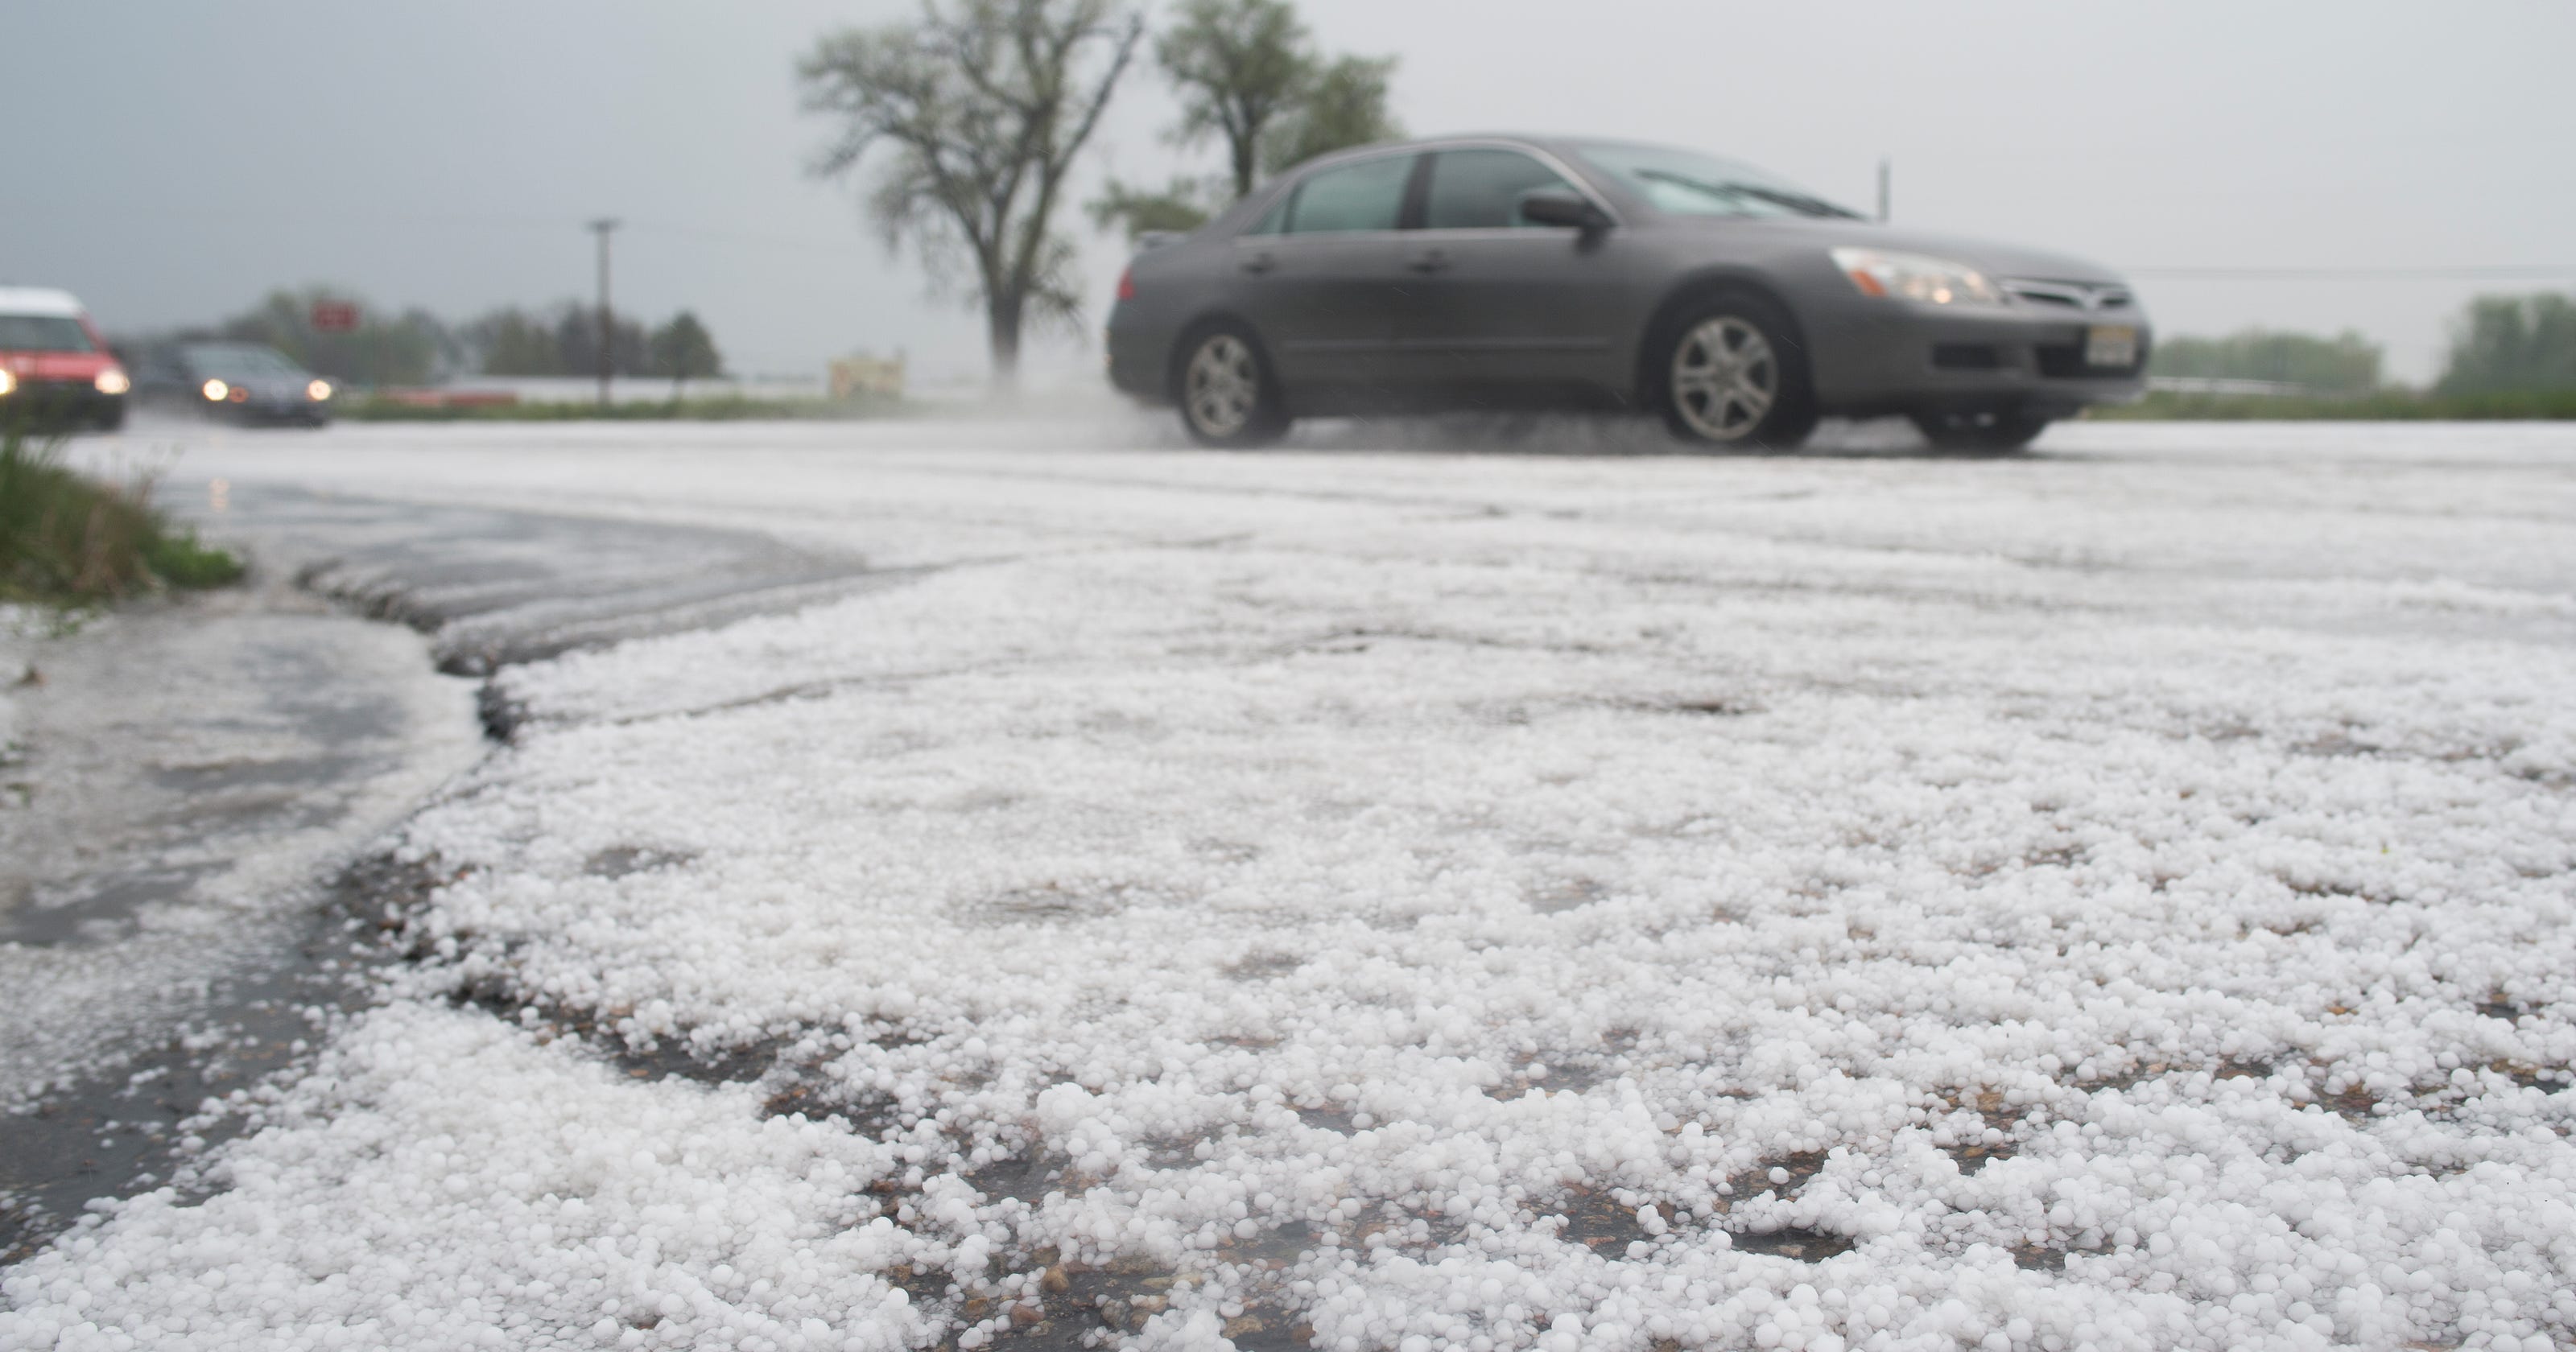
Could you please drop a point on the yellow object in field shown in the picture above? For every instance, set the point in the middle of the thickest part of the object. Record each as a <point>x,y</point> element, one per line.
<point>863,374</point>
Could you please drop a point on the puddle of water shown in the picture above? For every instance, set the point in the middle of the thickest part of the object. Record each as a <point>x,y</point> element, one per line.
<point>129,1130</point>
<point>298,772</point>
<point>1806,1246</point>
<point>196,766</point>
<point>624,861</point>
<point>105,912</point>
<point>500,587</point>
<point>159,925</point>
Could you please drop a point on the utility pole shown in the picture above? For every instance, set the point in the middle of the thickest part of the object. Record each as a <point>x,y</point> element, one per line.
<point>1882,190</point>
<point>607,329</point>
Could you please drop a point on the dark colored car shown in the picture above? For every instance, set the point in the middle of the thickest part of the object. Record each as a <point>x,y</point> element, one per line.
<point>1507,272</point>
<point>55,371</point>
<point>244,382</point>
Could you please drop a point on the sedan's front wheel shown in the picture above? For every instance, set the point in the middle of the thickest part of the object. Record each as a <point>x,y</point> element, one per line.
<point>1227,395</point>
<point>1732,375</point>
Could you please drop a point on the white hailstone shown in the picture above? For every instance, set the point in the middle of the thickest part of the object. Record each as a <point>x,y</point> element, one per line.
<point>1884,832</point>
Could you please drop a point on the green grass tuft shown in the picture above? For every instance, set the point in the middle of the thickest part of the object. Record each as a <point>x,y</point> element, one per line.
<point>175,557</point>
<point>69,539</point>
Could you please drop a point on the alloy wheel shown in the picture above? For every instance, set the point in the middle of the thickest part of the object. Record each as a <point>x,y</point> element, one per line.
<point>1725,378</point>
<point>1222,388</point>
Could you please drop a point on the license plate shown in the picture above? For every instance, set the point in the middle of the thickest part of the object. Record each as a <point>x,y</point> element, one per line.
<point>2111,345</point>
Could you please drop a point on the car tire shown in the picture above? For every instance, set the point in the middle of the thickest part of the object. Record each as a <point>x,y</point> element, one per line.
<point>1729,373</point>
<point>1979,431</point>
<point>1228,397</point>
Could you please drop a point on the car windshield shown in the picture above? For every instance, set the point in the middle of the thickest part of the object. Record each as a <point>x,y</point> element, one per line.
<point>228,361</point>
<point>43,333</point>
<point>1690,184</point>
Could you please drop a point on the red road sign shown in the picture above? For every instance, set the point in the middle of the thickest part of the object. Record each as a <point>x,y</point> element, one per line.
<point>335,316</point>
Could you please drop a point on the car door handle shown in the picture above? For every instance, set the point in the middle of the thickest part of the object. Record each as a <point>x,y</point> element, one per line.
<point>1260,262</point>
<point>1428,261</point>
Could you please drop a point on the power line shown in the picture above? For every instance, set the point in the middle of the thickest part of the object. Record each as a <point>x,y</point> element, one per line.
<point>2500,272</point>
<point>739,239</point>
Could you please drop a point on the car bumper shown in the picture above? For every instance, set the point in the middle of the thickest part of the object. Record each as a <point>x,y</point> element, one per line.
<point>253,411</point>
<point>46,404</point>
<point>281,411</point>
<point>1894,357</point>
<point>1136,359</point>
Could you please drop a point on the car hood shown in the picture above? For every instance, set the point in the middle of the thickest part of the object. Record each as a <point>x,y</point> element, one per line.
<point>1989,256</point>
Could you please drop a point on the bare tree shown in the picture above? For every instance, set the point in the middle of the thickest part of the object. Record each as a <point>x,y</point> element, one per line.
<point>983,105</point>
<point>1178,209</point>
<point>1247,72</point>
<point>1343,105</point>
<point>1238,65</point>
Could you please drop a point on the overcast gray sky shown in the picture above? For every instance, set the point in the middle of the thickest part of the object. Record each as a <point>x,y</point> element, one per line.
<point>172,161</point>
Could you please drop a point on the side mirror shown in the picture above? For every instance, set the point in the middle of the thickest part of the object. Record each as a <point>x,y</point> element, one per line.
<point>1552,206</point>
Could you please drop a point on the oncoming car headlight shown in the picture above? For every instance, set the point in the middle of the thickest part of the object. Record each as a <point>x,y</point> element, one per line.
<point>216,390</point>
<point>112,381</point>
<point>1906,276</point>
<point>318,391</point>
<point>8,380</point>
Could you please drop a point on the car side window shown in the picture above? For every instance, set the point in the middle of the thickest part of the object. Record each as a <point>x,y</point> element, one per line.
<point>1274,220</point>
<point>1481,189</point>
<point>1368,195</point>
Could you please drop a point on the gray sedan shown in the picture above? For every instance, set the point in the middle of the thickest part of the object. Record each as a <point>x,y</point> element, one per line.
<point>1530,272</point>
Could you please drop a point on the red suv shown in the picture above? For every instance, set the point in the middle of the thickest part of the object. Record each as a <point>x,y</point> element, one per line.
<point>55,370</point>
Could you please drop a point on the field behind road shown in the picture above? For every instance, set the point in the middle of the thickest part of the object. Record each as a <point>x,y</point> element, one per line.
<point>2115,897</point>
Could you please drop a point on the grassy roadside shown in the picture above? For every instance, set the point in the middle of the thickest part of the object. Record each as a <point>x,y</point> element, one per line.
<point>721,408</point>
<point>2384,406</point>
<point>69,539</point>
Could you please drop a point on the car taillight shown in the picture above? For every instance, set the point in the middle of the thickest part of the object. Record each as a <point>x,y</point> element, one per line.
<point>1127,284</point>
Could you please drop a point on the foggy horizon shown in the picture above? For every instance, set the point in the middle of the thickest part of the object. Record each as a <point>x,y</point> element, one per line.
<point>448,160</point>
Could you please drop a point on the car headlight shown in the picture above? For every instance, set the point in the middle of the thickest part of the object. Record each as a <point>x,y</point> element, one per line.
<point>318,391</point>
<point>216,390</point>
<point>1907,276</point>
<point>8,380</point>
<point>112,381</point>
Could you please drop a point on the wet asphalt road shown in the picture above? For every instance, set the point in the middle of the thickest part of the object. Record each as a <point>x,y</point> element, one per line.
<point>190,892</point>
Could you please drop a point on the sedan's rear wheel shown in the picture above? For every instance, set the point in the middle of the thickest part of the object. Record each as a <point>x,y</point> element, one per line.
<point>1227,395</point>
<point>1733,375</point>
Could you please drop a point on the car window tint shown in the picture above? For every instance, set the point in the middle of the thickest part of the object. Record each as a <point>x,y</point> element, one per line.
<point>1275,219</point>
<point>1481,189</point>
<point>42,333</point>
<point>1368,195</point>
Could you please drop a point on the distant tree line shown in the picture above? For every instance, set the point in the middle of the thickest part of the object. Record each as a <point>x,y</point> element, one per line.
<point>2344,364</point>
<point>563,340</point>
<point>2499,345</point>
<point>415,347</point>
<point>2512,343</point>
